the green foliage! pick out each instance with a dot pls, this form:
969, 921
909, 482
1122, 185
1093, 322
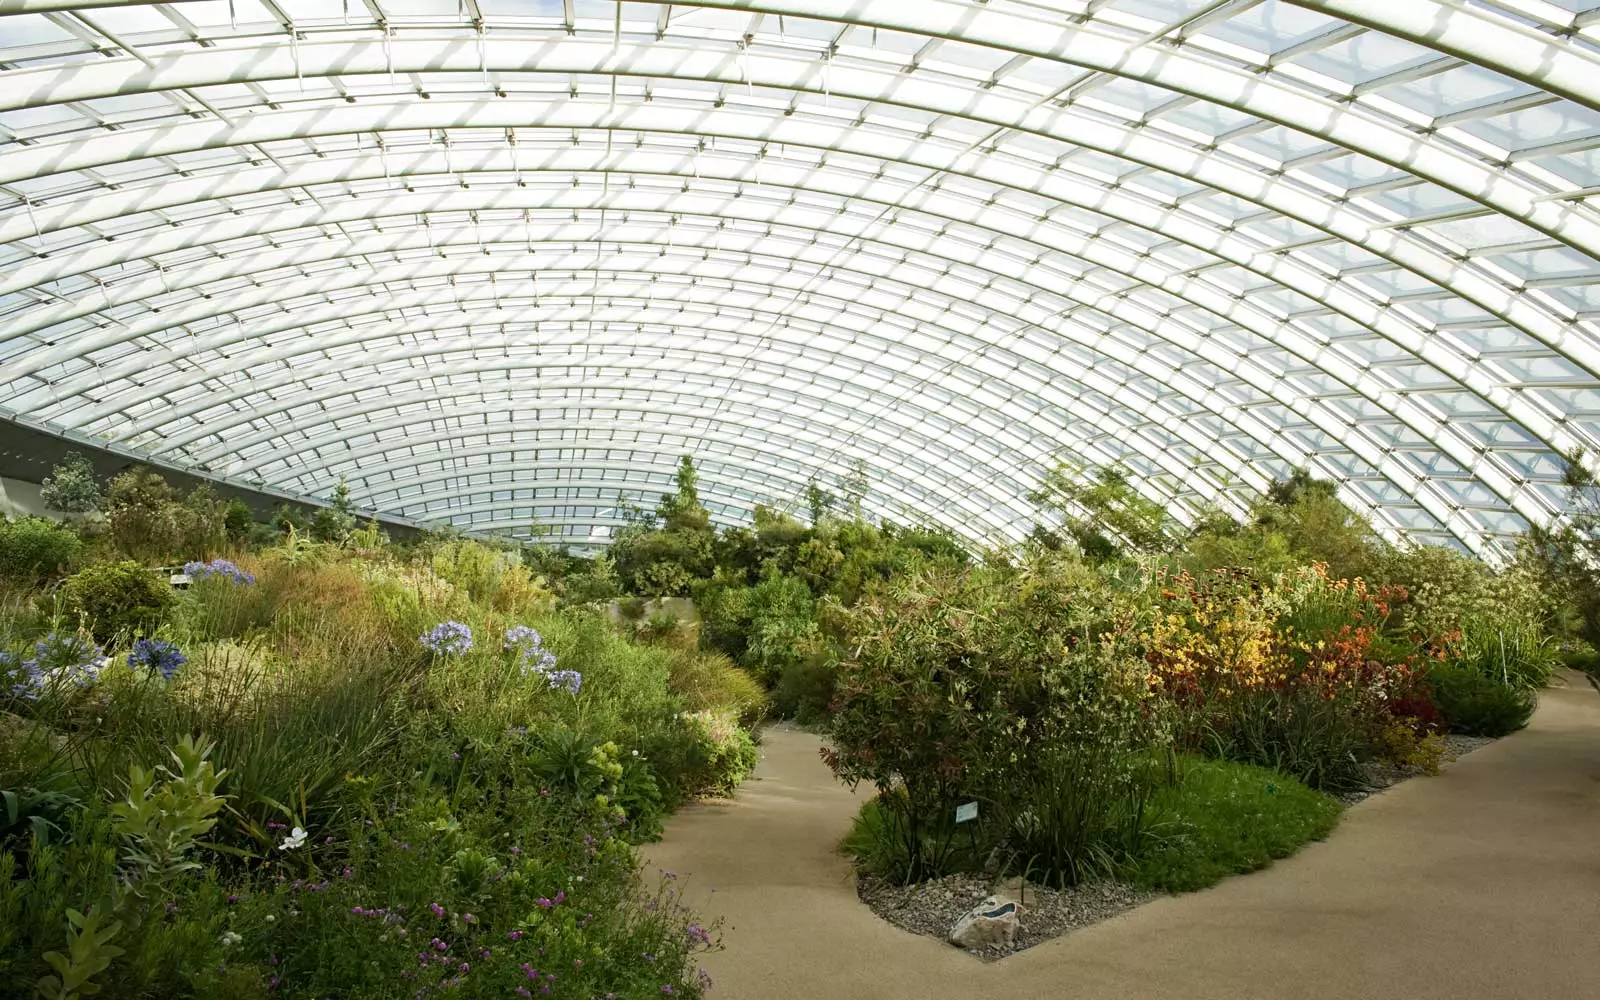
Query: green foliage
334, 523
711, 682
724, 753
1011, 689
89, 953
140, 507
853, 488
72, 486
1299, 732
1102, 511
466, 785
1300, 521
33, 550
1566, 555
237, 521
117, 600
1477, 705
165, 811
150, 520
1221, 818
291, 517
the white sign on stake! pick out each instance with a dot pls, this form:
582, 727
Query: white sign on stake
966, 812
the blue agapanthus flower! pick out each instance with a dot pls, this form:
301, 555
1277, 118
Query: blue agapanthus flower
450, 638
158, 657
221, 569
59, 656
567, 680
26, 678
528, 644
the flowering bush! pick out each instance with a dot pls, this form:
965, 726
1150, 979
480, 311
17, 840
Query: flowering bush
217, 569
1285, 672
60, 658
528, 645
724, 754
158, 657
450, 638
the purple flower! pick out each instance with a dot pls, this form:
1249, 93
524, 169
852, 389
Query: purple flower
568, 680
450, 638
221, 568
158, 657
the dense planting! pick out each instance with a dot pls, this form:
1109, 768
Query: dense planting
333, 766
329, 771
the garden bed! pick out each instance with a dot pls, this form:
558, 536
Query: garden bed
1381, 776
931, 908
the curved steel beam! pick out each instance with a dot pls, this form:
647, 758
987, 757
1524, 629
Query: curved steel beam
719, 61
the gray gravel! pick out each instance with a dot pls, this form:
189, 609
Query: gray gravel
1381, 776
932, 908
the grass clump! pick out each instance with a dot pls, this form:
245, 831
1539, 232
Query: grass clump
1213, 819
1222, 818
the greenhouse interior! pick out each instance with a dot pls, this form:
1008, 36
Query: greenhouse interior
765, 499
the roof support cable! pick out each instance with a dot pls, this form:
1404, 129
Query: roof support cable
294, 52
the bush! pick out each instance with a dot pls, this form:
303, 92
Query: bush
116, 600
32, 549
1477, 705
711, 682
806, 685
1220, 818
724, 754
72, 486
1013, 690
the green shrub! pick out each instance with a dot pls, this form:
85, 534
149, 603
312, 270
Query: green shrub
805, 686
1477, 705
32, 549
724, 754
1221, 818
72, 486
117, 600
1300, 732
1512, 651
1011, 690
711, 682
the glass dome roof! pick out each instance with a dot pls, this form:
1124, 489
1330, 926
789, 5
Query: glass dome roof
502, 259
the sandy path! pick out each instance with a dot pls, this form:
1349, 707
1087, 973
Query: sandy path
1481, 883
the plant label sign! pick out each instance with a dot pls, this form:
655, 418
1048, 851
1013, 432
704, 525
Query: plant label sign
966, 812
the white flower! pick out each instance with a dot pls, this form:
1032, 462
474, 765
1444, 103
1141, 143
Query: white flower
296, 838
229, 939
269, 918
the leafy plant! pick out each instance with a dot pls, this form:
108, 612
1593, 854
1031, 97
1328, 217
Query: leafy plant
72, 486
1477, 705
117, 599
33, 550
89, 953
165, 811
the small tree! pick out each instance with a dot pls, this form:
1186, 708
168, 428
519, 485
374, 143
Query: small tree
335, 522
853, 487
72, 486
819, 502
142, 509
237, 520
1567, 554
1102, 511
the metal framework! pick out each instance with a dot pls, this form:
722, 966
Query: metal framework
492, 260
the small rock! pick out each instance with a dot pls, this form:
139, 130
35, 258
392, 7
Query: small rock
992, 923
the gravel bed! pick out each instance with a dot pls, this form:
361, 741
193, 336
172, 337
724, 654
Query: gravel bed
932, 908
1381, 776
